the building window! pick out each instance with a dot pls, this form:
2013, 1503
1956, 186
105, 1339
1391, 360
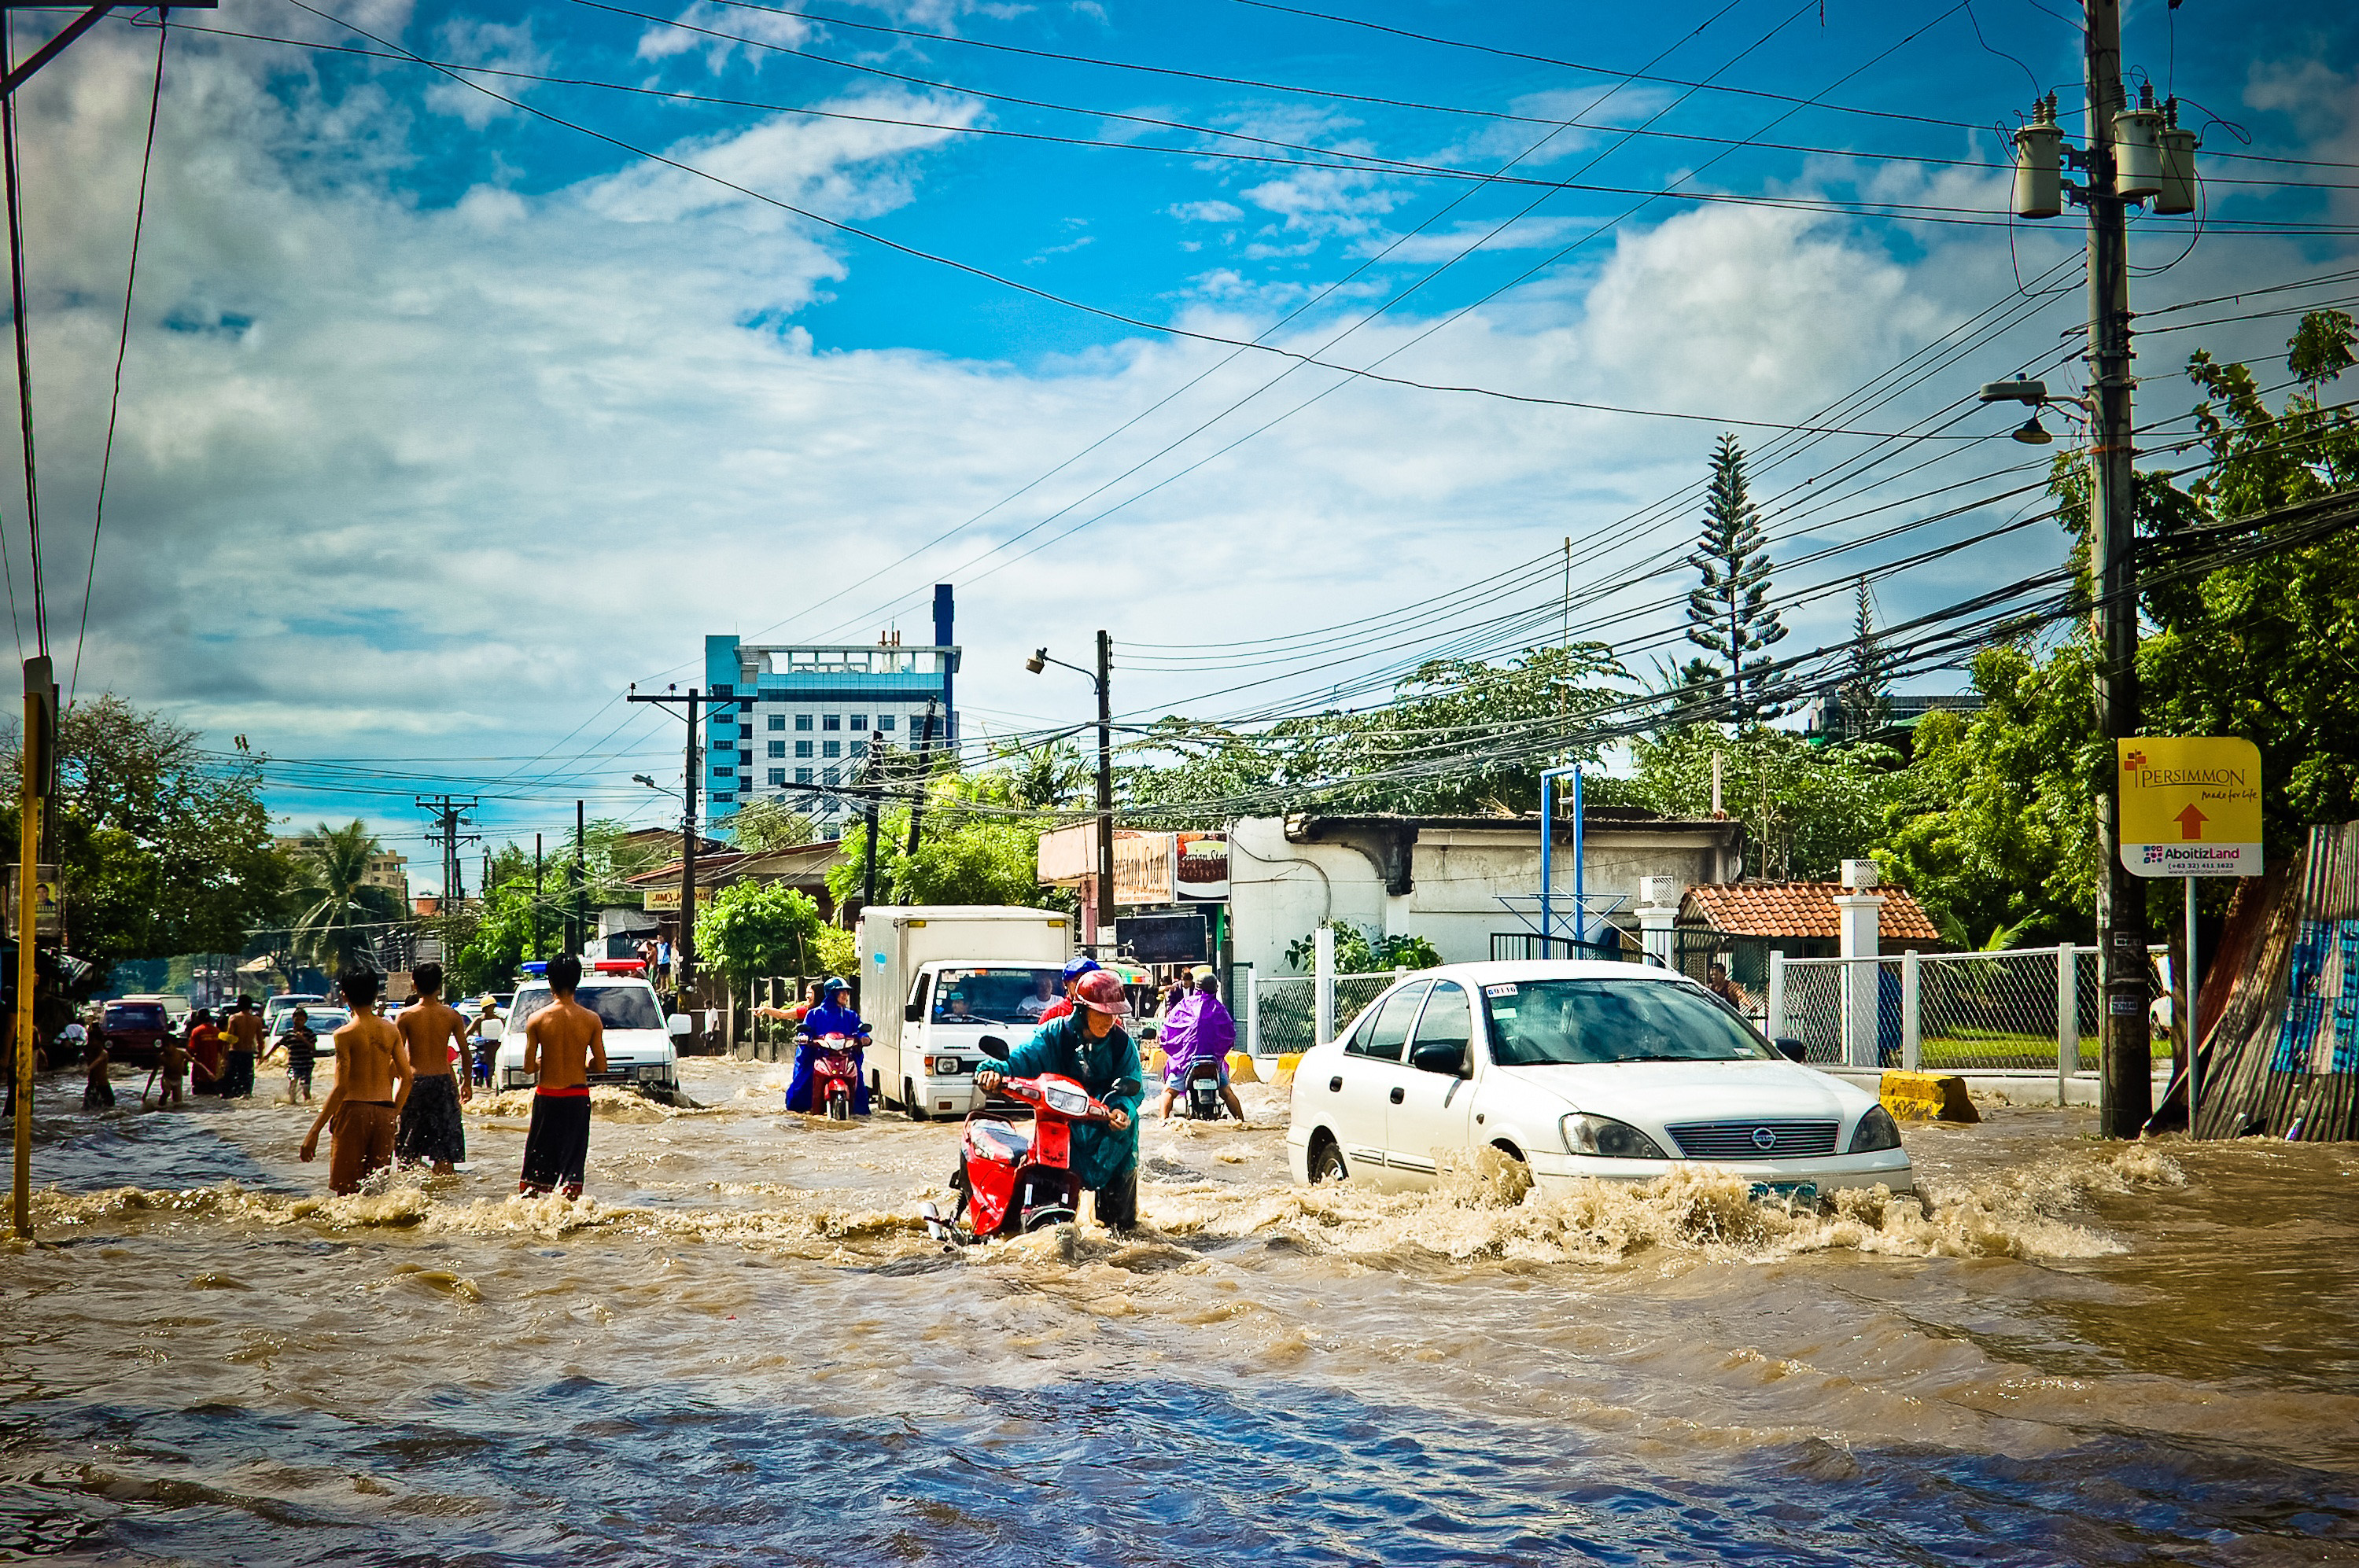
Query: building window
830, 749
744, 759
778, 748
802, 720
802, 748
860, 748
802, 775
859, 722
724, 800
777, 721
830, 776
832, 721
778, 776
885, 723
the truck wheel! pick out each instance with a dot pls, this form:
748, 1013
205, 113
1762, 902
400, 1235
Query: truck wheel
912, 1103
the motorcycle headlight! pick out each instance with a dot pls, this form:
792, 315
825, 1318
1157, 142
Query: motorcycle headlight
1608, 1139
1876, 1130
1065, 1102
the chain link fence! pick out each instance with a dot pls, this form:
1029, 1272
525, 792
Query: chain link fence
1289, 1007
2036, 1009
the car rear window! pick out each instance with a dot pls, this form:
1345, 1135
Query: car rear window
618, 1007
134, 1015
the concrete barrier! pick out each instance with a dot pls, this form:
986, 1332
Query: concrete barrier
1923, 1097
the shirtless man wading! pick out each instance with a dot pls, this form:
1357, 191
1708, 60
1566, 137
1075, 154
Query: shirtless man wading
372, 1080
564, 1044
431, 1128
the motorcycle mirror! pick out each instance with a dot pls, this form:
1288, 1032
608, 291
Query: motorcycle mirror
993, 1047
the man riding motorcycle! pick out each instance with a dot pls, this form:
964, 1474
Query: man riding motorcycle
1090, 1046
1063, 1006
833, 1015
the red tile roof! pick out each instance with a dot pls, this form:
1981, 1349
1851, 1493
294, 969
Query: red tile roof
1802, 909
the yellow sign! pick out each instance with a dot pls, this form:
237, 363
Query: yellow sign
664, 900
2190, 805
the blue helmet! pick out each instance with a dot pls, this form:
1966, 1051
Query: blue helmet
1076, 967
834, 985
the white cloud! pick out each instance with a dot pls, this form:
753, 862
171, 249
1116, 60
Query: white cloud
1206, 212
493, 43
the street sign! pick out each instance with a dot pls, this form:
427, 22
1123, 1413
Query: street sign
664, 900
2191, 806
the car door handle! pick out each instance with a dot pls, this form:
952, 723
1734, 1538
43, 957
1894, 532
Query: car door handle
1335, 1084
1396, 1094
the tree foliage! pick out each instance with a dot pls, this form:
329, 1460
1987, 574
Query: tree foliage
338, 917
767, 824
1729, 613
760, 928
1806, 807
1361, 951
976, 844
163, 847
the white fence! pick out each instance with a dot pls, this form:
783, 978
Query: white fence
2028, 1009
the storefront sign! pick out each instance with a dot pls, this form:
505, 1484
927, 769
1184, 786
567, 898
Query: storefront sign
2191, 806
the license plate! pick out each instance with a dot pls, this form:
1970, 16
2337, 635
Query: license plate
1799, 1194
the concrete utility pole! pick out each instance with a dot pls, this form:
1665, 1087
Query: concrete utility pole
685, 949
2128, 1095
449, 816
1105, 788
37, 755
577, 931
536, 898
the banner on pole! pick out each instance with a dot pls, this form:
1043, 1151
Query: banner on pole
2191, 806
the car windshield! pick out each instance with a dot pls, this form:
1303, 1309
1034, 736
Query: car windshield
1000, 994
318, 1020
134, 1015
1544, 1022
618, 1007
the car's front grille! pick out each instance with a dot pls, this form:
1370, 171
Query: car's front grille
1768, 1138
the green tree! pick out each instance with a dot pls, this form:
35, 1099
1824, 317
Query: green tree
1806, 807
1728, 615
1359, 950
770, 824
502, 936
338, 915
760, 928
977, 844
1865, 695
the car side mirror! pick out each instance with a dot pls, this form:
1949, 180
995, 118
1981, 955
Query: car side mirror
1447, 1057
914, 1012
677, 1026
993, 1046
491, 1029
1791, 1049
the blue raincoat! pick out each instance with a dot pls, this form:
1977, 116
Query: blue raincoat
1107, 1068
828, 1019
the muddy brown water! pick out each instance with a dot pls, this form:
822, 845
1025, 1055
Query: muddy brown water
741, 1347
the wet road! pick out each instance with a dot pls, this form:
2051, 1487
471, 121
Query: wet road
742, 1348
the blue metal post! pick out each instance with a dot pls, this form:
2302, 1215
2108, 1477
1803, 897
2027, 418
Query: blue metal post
1580, 905
1547, 839
1547, 802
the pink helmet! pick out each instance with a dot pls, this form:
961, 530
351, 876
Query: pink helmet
1101, 992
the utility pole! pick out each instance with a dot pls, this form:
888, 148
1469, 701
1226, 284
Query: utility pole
449, 816
37, 757
685, 949
2128, 1095
1105, 787
868, 868
536, 898
577, 932
925, 752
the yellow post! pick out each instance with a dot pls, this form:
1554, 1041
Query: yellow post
33, 753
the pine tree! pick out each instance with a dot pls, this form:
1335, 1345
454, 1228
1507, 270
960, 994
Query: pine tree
1866, 701
1729, 616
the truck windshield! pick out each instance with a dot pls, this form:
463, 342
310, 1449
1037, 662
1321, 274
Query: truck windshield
999, 994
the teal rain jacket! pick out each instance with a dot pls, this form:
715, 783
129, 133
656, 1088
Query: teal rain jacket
1107, 1068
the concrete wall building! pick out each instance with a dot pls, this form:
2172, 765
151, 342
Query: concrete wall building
794, 723
386, 869
1456, 881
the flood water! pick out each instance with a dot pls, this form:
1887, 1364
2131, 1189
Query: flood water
741, 1346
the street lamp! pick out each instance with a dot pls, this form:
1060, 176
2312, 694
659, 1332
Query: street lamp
1039, 662
2033, 395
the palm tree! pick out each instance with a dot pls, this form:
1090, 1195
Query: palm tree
332, 892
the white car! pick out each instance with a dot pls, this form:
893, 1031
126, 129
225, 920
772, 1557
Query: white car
1579, 1068
640, 1049
276, 1009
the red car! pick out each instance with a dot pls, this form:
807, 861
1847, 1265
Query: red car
134, 1031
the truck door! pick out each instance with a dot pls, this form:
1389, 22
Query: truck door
1427, 1113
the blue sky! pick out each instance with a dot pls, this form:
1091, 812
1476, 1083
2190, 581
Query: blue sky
443, 422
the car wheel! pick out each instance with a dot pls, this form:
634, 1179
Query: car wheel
912, 1103
1327, 1160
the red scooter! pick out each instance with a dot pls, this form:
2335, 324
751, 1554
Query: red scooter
834, 1074
1008, 1183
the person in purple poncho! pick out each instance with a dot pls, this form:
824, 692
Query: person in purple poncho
1199, 1029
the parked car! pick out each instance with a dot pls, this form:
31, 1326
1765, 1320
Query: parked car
323, 1021
1579, 1068
640, 1049
135, 1028
176, 1006
275, 1010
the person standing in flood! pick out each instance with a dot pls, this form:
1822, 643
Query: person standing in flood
240, 1039
372, 1080
205, 1050
564, 1044
302, 1048
97, 1092
431, 1126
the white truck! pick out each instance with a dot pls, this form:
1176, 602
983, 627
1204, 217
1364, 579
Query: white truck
937, 981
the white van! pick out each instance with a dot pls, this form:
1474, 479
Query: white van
641, 1049
940, 979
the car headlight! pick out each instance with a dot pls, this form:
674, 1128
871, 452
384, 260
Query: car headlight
1609, 1139
1876, 1130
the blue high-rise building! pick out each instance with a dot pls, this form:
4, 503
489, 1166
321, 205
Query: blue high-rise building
795, 723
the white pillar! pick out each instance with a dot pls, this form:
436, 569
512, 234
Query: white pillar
1912, 1017
2068, 1017
1246, 994
1658, 917
1773, 1023
1859, 916
1323, 1005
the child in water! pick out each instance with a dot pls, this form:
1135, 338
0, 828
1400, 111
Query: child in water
97, 1094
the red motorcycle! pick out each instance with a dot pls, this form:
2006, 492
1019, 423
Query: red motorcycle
1008, 1183
835, 1075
